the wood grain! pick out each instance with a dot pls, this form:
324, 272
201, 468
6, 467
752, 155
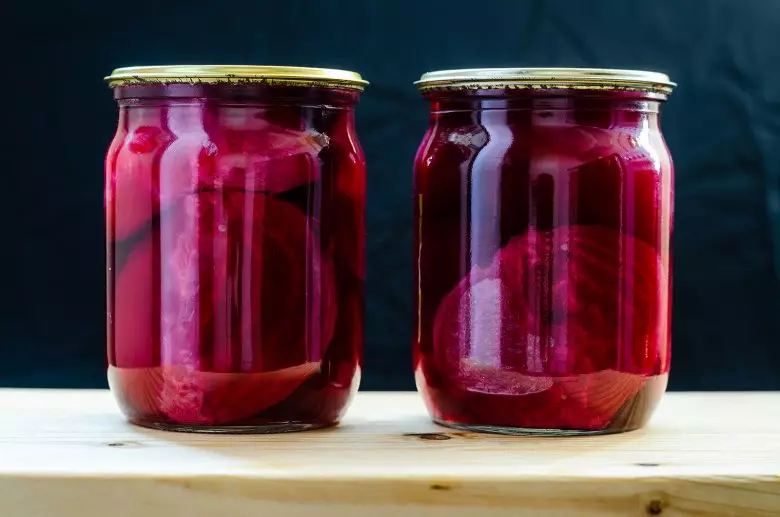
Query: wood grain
70, 453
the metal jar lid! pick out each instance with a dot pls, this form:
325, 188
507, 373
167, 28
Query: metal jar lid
546, 78
237, 74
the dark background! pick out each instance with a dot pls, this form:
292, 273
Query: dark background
722, 125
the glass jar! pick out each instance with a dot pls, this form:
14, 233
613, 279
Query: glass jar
235, 200
543, 215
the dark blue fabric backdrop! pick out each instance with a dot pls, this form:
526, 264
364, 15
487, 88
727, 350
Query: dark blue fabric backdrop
722, 124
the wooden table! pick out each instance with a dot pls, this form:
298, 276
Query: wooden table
70, 453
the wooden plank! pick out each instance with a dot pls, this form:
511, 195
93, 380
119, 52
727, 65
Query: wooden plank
69, 454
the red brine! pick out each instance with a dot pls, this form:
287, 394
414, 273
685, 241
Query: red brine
235, 238
543, 219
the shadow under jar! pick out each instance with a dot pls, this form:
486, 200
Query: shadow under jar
543, 216
235, 230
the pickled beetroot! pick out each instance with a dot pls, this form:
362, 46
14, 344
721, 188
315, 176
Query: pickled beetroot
589, 295
191, 397
542, 231
267, 158
189, 151
239, 273
235, 281
556, 310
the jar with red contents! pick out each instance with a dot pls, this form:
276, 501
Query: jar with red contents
235, 200
543, 216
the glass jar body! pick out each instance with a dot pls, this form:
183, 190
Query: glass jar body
235, 255
542, 241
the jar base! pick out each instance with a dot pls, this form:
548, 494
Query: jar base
274, 428
529, 431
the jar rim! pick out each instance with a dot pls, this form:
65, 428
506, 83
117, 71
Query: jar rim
546, 78
236, 74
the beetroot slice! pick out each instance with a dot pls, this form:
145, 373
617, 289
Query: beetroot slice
571, 301
478, 379
592, 295
244, 294
219, 398
564, 146
596, 398
205, 398
155, 168
288, 314
475, 327
245, 287
137, 390
272, 159
619, 191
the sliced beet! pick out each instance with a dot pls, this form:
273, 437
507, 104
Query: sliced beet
189, 397
475, 327
186, 168
322, 398
156, 168
146, 139
620, 191
477, 378
271, 159
593, 295
288, 314
590, 176
574, 300
596, 398
234, 300
245, 285
564, 145
138, 391
208, 398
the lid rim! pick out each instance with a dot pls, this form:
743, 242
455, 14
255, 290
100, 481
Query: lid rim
597, 78
234, 74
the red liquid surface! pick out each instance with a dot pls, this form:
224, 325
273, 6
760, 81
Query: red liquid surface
236, 256
542, 236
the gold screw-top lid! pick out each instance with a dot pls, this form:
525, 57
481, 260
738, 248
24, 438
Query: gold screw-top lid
546, 78
237, 74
